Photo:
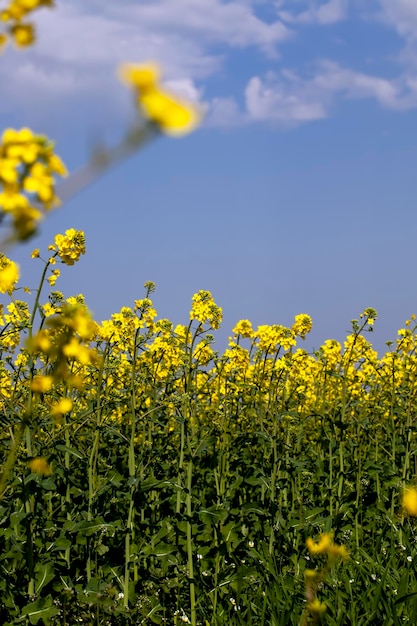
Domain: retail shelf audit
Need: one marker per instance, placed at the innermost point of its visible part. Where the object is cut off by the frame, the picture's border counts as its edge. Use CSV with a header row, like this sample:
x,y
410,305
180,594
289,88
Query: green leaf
x,y
44,573
41,609
72,451
212,514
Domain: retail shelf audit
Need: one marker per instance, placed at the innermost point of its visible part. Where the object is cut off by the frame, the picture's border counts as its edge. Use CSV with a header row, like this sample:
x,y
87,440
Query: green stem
x,y
189,542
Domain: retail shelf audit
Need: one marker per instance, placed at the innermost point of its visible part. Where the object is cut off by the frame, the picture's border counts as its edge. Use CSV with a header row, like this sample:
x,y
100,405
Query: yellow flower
x,y
205,310
40,342
244,329
35,253
70,246
41,384
40,182
410,500
25,221
74,350
140,76
302,325
9,274
40,465
24,34
317,607
323,545
48,309
336,550
8,171
62,407
173,115
53,278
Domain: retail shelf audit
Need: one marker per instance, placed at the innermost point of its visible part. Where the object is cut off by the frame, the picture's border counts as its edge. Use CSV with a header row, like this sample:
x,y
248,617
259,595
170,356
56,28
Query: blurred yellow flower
x,y
410,500
317,607
23,34
9,274
173,115
62,407
40,465
323,545
41,384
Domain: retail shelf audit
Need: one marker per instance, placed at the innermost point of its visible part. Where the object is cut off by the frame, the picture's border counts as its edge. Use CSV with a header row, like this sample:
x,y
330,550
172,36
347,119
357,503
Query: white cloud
x,y
402,15
80,44
288,99
72,69
334,79
275,101
325,13
185,88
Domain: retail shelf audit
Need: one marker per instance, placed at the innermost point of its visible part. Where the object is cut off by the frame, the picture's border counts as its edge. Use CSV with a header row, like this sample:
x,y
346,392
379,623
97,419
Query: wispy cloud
x,y
81,44
402,15
325,13
279,100
288,99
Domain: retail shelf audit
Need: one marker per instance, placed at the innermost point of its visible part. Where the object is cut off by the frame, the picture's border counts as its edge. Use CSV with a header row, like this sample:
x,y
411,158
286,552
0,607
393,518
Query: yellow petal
x,y
141,76
175,116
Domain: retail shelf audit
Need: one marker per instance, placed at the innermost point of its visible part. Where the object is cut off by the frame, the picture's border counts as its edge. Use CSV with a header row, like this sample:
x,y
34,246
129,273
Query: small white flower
x,y
409,559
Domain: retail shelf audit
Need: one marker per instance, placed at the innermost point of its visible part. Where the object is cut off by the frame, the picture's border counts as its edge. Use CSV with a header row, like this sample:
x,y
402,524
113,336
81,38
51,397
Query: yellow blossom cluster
x,y
314,577
70,246
262,371
9,274
65,343
28,166
18,28
205,310
326,546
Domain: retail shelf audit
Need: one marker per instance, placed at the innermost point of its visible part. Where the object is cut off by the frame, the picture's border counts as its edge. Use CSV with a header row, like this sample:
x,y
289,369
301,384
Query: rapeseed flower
x,y
70,246
39,465
61,407
322,546
317,607
23,34
27,166
409,501
173,115
244,329
41,384
205,310
9,274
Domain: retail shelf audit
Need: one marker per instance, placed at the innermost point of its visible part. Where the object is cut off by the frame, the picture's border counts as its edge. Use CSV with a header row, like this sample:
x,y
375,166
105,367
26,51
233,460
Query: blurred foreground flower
x,y
173,115
28,167
325,546
9,274
410,501
22,33
167,113
39,465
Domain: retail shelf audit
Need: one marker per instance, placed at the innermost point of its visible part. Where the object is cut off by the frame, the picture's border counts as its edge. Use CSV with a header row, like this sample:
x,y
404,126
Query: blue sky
x,y
297,195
